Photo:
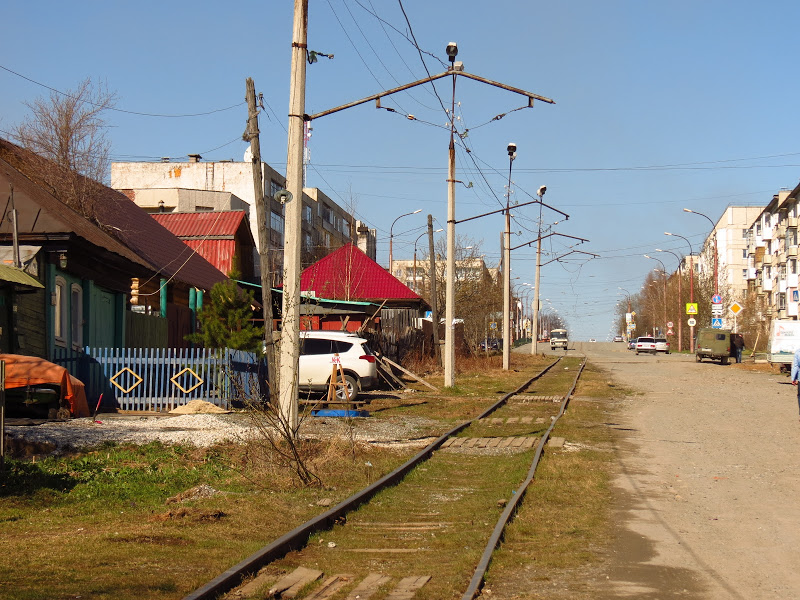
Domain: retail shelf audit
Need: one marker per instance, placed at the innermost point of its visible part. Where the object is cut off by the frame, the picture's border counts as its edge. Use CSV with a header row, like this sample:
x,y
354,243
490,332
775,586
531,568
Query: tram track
x,y
422,529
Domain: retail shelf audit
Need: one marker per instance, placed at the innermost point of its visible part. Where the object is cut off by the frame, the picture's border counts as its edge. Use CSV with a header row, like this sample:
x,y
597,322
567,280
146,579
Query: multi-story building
x,y
170,186
415,274
772,256
729,240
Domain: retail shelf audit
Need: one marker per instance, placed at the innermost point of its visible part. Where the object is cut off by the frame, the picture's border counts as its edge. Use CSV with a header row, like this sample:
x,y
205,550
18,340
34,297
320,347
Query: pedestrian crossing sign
x,y
691,308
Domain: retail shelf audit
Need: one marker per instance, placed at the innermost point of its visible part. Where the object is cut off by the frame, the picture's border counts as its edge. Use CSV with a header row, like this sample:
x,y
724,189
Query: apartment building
x,y
730,241
180,186
772,245
415,274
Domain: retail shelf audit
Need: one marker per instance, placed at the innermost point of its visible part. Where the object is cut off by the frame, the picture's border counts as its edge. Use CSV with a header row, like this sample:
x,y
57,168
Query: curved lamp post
x,y
391,264
680,298
714,233
691,284
664,272
416,287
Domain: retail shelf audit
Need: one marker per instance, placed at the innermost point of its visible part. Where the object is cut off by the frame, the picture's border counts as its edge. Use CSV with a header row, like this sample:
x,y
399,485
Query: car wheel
x,y
698,358
637,353
723,360
351,387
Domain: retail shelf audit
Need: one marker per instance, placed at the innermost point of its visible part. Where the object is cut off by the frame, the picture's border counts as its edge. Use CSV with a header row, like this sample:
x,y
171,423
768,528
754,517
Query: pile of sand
x,y
197,407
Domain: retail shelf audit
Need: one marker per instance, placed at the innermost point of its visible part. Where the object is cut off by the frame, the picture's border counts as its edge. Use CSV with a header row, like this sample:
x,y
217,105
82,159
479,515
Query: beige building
x,y
418,280
772,248
731,235
170,186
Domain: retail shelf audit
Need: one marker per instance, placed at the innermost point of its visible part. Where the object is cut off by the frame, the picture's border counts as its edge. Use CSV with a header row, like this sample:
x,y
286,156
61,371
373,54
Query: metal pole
x,y
434,298
507,293
450,305
290,332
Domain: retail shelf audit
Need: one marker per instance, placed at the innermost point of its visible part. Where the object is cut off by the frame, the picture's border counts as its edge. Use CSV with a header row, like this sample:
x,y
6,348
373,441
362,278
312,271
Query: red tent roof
x,y
349,274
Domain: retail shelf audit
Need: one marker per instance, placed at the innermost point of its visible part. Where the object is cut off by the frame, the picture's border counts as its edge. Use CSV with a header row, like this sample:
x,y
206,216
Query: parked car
x,y
716,344
632,344
618,338
493,344
646,344
317,350
662,345
592,340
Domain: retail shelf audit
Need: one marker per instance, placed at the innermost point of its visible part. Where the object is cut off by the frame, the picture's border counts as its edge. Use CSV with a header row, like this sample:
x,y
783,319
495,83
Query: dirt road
x,y
708,502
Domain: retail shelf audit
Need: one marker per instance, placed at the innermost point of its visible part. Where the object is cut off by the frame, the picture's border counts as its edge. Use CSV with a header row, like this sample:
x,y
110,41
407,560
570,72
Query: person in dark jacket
x,y
738,344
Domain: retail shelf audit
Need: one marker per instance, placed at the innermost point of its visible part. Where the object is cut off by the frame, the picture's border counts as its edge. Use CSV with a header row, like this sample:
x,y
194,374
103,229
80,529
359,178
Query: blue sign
x,y
716,299
428,314
795,296
716,323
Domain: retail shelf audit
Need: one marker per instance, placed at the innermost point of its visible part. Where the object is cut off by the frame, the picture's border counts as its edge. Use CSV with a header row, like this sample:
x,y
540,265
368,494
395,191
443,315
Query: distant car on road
x,y
618,338
592,340
662,345
646,344
632,344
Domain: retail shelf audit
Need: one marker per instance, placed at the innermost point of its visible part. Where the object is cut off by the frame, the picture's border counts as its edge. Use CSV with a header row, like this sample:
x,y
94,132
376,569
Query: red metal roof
x,y
349,274
202,224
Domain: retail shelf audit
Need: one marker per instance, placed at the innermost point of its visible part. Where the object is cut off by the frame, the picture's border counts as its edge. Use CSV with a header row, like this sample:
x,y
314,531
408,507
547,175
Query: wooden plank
x,y
410,374
526,420
289,586
447,442
497,421
368,586
529,442
556,442
407,587
494,442
517,442
512,420
330,586
505,442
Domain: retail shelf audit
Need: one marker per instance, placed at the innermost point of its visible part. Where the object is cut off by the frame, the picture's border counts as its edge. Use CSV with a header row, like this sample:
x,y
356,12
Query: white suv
x,y
317,349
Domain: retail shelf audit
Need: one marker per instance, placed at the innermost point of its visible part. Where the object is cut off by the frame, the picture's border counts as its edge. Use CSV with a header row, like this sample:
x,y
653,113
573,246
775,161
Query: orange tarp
x,y
22,371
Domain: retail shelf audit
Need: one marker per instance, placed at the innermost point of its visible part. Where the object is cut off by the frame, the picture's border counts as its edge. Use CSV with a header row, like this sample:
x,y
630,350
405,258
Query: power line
x,y
120,110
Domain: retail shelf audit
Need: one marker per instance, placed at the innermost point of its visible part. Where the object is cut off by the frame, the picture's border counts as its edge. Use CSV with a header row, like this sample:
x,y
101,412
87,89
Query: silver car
x,y
646,344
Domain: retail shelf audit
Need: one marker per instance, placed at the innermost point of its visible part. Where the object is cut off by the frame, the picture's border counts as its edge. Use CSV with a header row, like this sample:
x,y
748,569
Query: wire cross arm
x,y
502,210
547,236
558,258
530,95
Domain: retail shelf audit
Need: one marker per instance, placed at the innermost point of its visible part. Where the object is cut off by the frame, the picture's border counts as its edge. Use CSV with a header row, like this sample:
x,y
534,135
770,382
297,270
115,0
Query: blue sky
x,y
659,106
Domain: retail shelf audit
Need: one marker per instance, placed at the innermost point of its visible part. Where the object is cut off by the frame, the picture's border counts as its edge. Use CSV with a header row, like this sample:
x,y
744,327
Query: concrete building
x,y
731,236
472,269
170,186
772,248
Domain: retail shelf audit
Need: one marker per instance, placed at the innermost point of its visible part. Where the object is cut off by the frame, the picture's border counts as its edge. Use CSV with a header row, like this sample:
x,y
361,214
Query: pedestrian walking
x,y
738,343
796,374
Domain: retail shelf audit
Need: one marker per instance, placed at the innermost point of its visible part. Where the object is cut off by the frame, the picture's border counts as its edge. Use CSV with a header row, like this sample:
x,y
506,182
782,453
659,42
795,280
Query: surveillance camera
x,y
452,51
540,192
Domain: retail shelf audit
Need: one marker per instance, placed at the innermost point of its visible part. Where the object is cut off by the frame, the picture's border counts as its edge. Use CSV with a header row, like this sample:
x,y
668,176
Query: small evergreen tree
x,y
227,320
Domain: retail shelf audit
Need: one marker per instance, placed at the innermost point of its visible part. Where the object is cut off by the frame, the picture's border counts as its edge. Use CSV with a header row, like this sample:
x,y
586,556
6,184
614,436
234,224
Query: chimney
x,y
194,158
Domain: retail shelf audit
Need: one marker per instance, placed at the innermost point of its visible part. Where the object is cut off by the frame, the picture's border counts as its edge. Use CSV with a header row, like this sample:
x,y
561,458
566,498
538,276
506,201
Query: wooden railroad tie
x,y
508,421
290,585
534,398
518,442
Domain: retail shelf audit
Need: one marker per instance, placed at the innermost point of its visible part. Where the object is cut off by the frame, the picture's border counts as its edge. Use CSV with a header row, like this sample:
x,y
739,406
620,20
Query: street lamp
x,y
391,264
714,233
691,284
664,272
680,298
416,287
512,154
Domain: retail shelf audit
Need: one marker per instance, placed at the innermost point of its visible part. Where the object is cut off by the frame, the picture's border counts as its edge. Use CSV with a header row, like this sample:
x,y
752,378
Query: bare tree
x,y
69,130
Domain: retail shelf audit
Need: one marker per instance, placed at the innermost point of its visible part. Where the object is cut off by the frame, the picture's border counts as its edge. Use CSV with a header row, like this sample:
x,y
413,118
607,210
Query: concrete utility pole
x,y
263,237
293,214
434,297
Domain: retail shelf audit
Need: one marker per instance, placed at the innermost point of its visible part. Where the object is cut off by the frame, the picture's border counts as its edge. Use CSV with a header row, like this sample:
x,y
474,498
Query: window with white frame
x,y
781,301
744,273
745,234
744,252
60,311
76,315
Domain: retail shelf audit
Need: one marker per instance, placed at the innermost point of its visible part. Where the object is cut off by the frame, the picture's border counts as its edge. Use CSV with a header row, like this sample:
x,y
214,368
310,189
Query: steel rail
x,y
508,514
298,537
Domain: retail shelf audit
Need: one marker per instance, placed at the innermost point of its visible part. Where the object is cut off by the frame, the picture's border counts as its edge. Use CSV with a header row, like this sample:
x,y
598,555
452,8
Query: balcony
x,y
751,273
791,222
767,285
791,252
766,234
767,259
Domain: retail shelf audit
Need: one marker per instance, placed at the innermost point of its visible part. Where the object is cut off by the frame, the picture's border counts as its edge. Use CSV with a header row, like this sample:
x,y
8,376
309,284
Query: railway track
x,y
427,524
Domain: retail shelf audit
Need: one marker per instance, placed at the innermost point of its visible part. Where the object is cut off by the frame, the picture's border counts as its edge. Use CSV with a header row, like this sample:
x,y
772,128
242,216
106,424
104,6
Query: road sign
x,y
716,323
795,296
736,308
716,310
493,325
692,322
716,299
670,332
691,308
670,324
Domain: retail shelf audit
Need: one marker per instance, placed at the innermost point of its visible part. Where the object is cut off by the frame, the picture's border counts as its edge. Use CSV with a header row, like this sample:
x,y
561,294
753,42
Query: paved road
x,y
708,493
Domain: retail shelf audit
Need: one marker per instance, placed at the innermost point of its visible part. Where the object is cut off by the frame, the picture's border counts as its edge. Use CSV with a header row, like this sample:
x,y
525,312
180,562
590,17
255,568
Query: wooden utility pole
x,y
263,237
434,310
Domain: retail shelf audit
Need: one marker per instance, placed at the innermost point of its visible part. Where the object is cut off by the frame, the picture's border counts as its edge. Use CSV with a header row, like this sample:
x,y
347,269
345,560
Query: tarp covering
x,y
24,371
